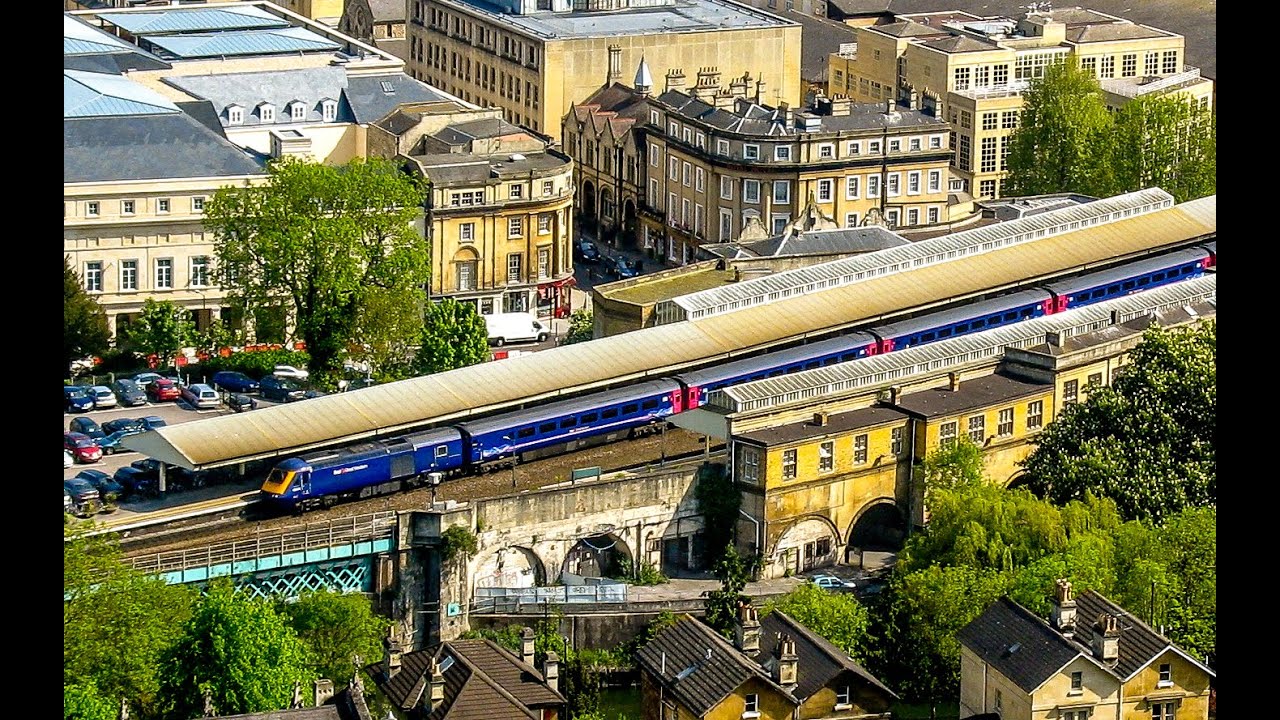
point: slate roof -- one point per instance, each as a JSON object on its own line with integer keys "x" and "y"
{"x": 1112, "y": 31}
{"x": 960, "y": 44}
{"x": 852, "y": 420}
{"x": 345, "y": 705}
{"x": 823, "y": 242}
{"x": 976, "y": 393}
{"x": 819, "y": 38}
{"x": 817, "y": 660}
{"x": 751, "y": 118}
{"x": 1139, "y": 644}
{"x": 701, "y": 667}
{"x": 370, "y": 99}
{"x": 153, "y": 147}
{"x": 278, "y": 87}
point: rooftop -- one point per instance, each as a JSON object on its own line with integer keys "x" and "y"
{"x": 748, "y": 117}
{"x": 842, "y": 422}
{"x": 682, "y": 16}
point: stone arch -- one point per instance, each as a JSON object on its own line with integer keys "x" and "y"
{"x": 512, "y": 566}
{"x": 596, "y": 555}
{"x": 809, "y": 542}
{"x": 881, "y": 524}
{"x": 1018, "y": 479}
{"x": 466, "y": 254}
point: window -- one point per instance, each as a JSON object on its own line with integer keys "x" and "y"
{"x": 788, "y": 464}
{"x": 673, "y": 168}
{"x": 895, "y": 146}
{"x": 891, "y": 218}
{"x": 200, "y": 271}
{"x": 513, "y": 267}
{"x": 935, "y": 181}
{"x": 467, "y": 275}
{"x": 91, "y": 209}
{"x": 673, "y": 129}
{"x": 873, "y": 186}
{"x": 1008, "y": 119}
{"x": 1089, "y": 65}
{"x": 687, "y": 175}
{"x": 235, "y": 115}
{"x": 826, "y": 460}
{"x": 1035, "y": 414}
{"x": 1151, "y": 63}
{"x": 947, "y": 434}
{"x": 987, "y": 188}
{"x": 516, "y": 192}
{"x": 915, "y": 144}
{"x": 860, "y": 449}
{"x": 855, "y": 148}
{"x": 162, "y": 205}
{"x": 998, "y": 702}
{"x": 515, "y": 227}
{"x": 782, "y": 191}
{"x": 654, "y": 155}
{"x": 1095, "y": 380}
{"x": 779, "y": 223}
{"x": 935, "y": 142}
{"x": 699, "y": 179}
{"x": 824, "y": 191}
{"x": 751, "y": 704}
{"x": 1108, "y": 67}
{"x": 892, "y": 184}
{"x": 873, "y": 147}
{"x": 913, "y": 216}
{"x": 126, "y": 207}
{"x": 1081, "y": 714}
{"x": 933, "y": 216}
{"x": 549, "y": 186}
{"x": 467, "y": 232}
{"x": 750, "y": 465}
{"x": 782, "y": 152}
{"x": 1169, "y": 66}
{"x": 297, "y": 111}
{"x": 653, "y": 117}
{"x": 988, "y": 157}
{"x": 1070, "y": 392}
{"x": 895, "y": 441}
{"x": 1162, "y": 711}
{"x": 544, "y": 223}
{"x": 544, "y": 263}
{"x": 93, "y": 276}
{"x": 751, "y": 191}
{"x": 826, "y": 151}
{"x": 990, "y": 120}
{"x": 751, "y": 152}
{"x": 266, "y": 113}
{"x": 128, "y": 274}
{"x": 1166, "y": 675}
{"x": 851, "y": 220}
{"x": 977, "y": 429}
{"x": 913, "y": 182}
{"x": 329, "y": 110}
{"x": 961, "y": 79}
{"x": 726, "y": 187}
{"x": 722, "y": 147}
{"x": 164, "y": 274}
{"x": 843, "y": 696}
{"x": 1129, "y": 65}
{"x": 851, "y": 188}
{"x": 197, "y": 204}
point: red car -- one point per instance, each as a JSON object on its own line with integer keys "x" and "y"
{"x": 84, "y": 448}
{"x": 163, "y": 389}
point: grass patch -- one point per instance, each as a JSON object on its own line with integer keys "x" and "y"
{"x": 921, "y": 711}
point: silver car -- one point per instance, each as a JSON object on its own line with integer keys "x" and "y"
{"x": 102, "y": 397}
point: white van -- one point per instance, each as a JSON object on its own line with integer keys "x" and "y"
{"x": 514, "y": 327}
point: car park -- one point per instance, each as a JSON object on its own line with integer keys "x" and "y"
{"x": 84, "y": 496}
{"x": 144, "y": 379}
{"x": 162, "y": 389}
{"x": 200, "y": 396}
{"x": 84, "y": 448}
{"x": 240, "y": 402}
{"x": 103, "y": 398}
{"x": 831, "y": 582}
{"x": 125, "y": 423}
{"x": 111, "y": 443}
{"x": 76, "y": 398}
{"x": 289, "y": 371}
{"x": 108, "y": 489}
{"x": 86, "y": 426}
{"x": 236, "y": 382}
{"x": 151, "y": 422}
{"x": 586, "y": 251}
{"x": 135, "y": 482}
{"x": 129, "y": 392}
{"x": 279, "y": 389}
{"x": 176, "y": 478}
{"x": 68, "y": 459}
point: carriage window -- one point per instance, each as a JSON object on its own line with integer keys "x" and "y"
{"x": 1158, "y": 276}
{"x": 976, "y": 324}
{"x": 1144, "y": 281}
{"x": 630, "y": 409}
{"x": 1113, "y": 289}
{"x": 927, "y": 337}
{"x": 568, "y": 422}
{"x": 649, "y": 404}
{"x": 589, "y": 418}
{"x": 944, "y": 332}
{"x": 811, "y": 365}
{"x": 993, "y": 320}
{"x": 1128, "y": 285}
{"x": 442, "y": 450}
{"x": 776, "y": 373}
{"x": 1186, "y": 270}
{"x": 609, "y": 414}
{"x": 962, "y": 327}
{"x": 525, "y": 432}
{"x": 831, "y": 361}
{"x": 1011, "y": 315}
{"x": 848, "y": 356}
{"x": 547, "y": 427}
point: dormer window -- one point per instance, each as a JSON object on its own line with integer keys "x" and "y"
{"x": 235, "y": 115}
{"x": 267, "y": 113}
{"x": 297, "y": 111}
{"x": 329, "y": 110}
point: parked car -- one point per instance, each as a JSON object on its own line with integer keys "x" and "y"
{"x": 68, "y": 505}
{"x": 308, "y": 394}
{"x": 510, "y": 327}
{"x": 85, "y": 499}
{"x": 84, "y": 448}
{"x": 162, "y": 389}
{"x": 144, "y": 379}
{"x": 102, "y": 397}
{"x": 200, "y": 396}
{"x": 236, "y": 382}
{"x": 241, "y": 402}
{"x": 118, "y": 424}
{"x": 76, "y": 398}
{"x": 151, "y": 422}
{"x": 86, "y": 426}
{"x": 586, "y": 251}
{"x": 289, "y": 371}
{"x": 176, "y": 478}
{"x": 108, "y": 488}
{"x": 135, "y": 482}
{"x": 620, "y": 269}
{"x": 111, "y": 443}
{"x": 129, "y": 392}
{"x": 67, "y": 458}
{"x": 279, "y": 389}
{"x": 831, "y": 582}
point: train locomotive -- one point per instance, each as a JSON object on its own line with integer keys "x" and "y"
{"x": 322, "y": 478}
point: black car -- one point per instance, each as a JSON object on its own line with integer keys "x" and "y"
{"x": 84, "y": 496}
{"x": 130, "y": 393}
{"x": 151, "y": 422}
{"x": 241, "y": 402}
{"x": 108, "y": 489}
{"x": 235, "y": 382}
{"x": 135, "y": 482}
{"x": 123, "y": 424}
{"x": 87, "y": 426}
{"x": 586, "y": 251}
{"x": 280, "y": 389}
{"x": 176, "y": 479}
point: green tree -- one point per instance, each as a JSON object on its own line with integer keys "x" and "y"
{"x": 84, "y": 324}
{"x": 116, "y": 622}
{"x": 581, "y": 327}
{"x": 319, "y": 239}
{"x": 385, "y": 334}
{"x": 82, "y": 701}
{"x": 1174, "y": 144}
{"x": 336, "y": 627}
{"x": 1147, "y": 442}
{"x": 957, "y": 465}
{"x": 1064, "y": 140}
{"x": 838, "y": 617}
{"x": 719, "y": 502}
{"x": 161, "y": 329}
{"x": 237, "y": 649}
{"x": 722, "y": 605}
{"x": 453, "y": 336}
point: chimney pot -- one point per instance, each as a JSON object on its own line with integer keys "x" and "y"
{"x": 526, "y": 645}
{"x": 551, "y": 670}
{"x": 784, "y": 669}
{"x": 323, "y": 691}
{"x": 820, "y": 419}
{"x": 746, "y": 629}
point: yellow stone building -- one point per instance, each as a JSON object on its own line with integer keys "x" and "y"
{"x": 1091, "y": 659}
{"x": 535, "y": 58}
{"x": 972, "y": 71}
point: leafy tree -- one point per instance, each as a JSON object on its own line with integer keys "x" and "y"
{"x": 336, "y": 627}
{"x": 1147, "y": 442}
{"x": 385, "y": 332}
{"x": 217, "y": 336}
{"x": 719, "y": 502}
{"x": 117, "y": 623}
{"x": 1064, "y": 140}
{"x": 237, "y": 649}
{"x": 1173, "y": 145}
{"x": 457, "y": 541}
{"x": 958, "y": 465}
{"x": 453, "y": 336}
{"x": 838, "y": 617}
{"x": 84, "y": 324}
{"x": 320, "y": 239}
{"x": 161, "y": 329}
{"x": 722, "y": 605}
{"x": 581, "y": 327}
{"x": 82, "y": 701}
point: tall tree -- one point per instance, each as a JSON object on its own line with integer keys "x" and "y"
{"x": 1148, "y": 441}
{"x": 386, "y": 331}
{"x": 1064, "y": 138}
{"x": 453, "y": 336}
{"x": 336, "y": 627}
{"x": 722, "y": 605}
{"x": 162, "y": 329}
{"x": 838, "y": 617}
{"x": 960, "y": 464}
{"x": 84, "y": 324}
{"x": 239, "y": 652}
{"x": 1170, "y": 142}
{"x": 319, "y": 238}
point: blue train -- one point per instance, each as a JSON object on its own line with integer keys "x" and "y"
{"x": 325, "y": 477}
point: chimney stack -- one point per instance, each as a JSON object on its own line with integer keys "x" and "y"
{"x": 746, "y": 631}
{"x": 820, "y": 419}
{"x": 760, "y": 91}
{"x": 1053, "y": 338}
{"x": 889, "y": 105}
{"x": 551, "y": 670}
{"x": 784, "y": 670}
{"x": 1064, "y": 609}
{"x": 953, "y": 381}
{"x": 437, "y": 684}
{"x": 1106, "y": 638}
{"x": 675, "y": 80}
{"x": 323, "y": 691}
{"x": 391, "y": 653}
{"x": 526, "y": 646}
{"x": 915, "y": 100}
